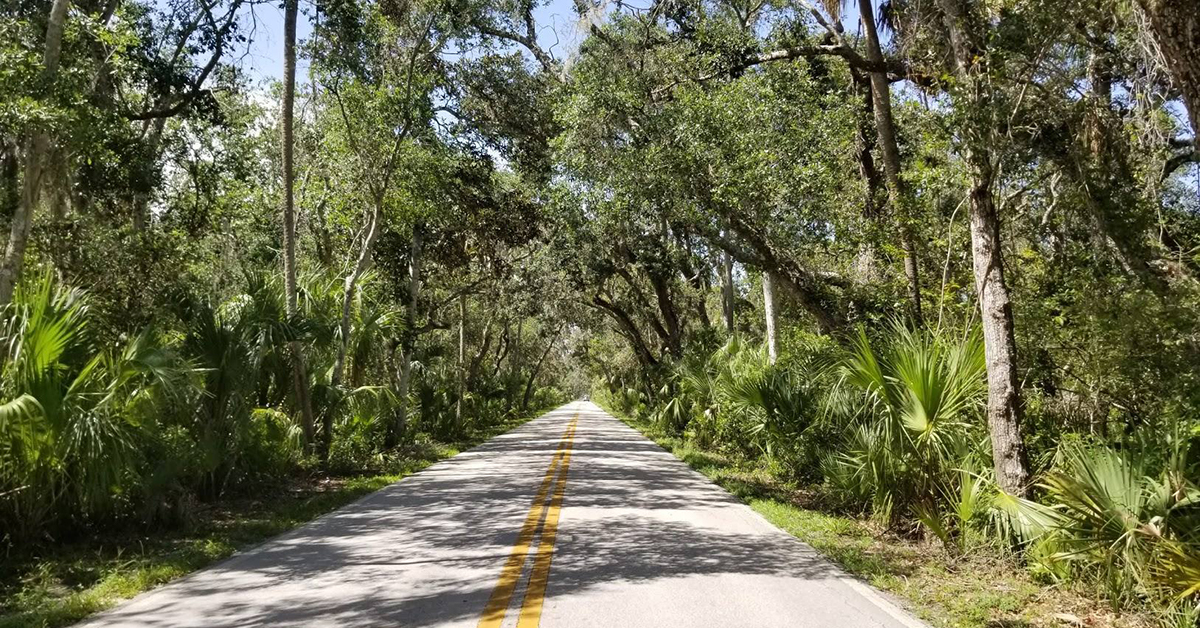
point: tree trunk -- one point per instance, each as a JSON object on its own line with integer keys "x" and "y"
{"x": 361, "y": 264}
{"x": 462, "y": 361}
{"x": 503, "y": 352}
{"x": 898, "y": 197}
{"x": 35, "y": 154}
{"x": 299, "y": 372}
{"x": 304, "y": 399}
{"x": 485, "y": 345}
{"x": 644, "y": 305}
{"x": 727, "y": 295}
{"x": 408, "y": 342}
{"x": 803, "y": 284}
{"x": 10, "y": 180}
{"x": 666, "y": 306}
{"x": 770, "y": 313}
{"x": 865, "y": 268}
{"x": 1175, "y": 25}
{"x": 629, "y": 329}
{"x": 514, "y": 354}
{"x": 537, "y": 368}
{"x": 697, "y": 281}
{"x": 1004, "y": 395}
{"x": 864, "y": 145}
{"x": 288, "y": 146}
{"x": 404, "y": 383}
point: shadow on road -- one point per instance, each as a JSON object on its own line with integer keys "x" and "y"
{"x": 427, "y": 550}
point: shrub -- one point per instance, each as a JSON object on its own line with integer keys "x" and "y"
{"x": 1137, "y": 531}
{"x": 910, "y": 413}
{"x": 73, "y": 413}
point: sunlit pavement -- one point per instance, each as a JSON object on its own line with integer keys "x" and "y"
{"x": 627, "y": 537}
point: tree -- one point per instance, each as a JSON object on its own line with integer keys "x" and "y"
{"x": 971, "y": 95}
{"x": 377, "y": 93}
{"x": 898, "y": 194}
{"x": 300, "y": 374}
{"x": 36, "y": 146}
{"x": 1174, "y": 24}
{"x": 771, "y": 316}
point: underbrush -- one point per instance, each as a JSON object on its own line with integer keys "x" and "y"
{"x": 889, "y": 426}
{"x": 989, "y": 586}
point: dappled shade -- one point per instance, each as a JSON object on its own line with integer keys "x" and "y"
{"x": 643, "y": 540}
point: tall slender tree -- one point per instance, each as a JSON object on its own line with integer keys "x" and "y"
{"x": 771, "y": 314}
{"x": 898, "y": 194}
{"x": 972, "y": 95}
{"x": 36, "y": 147}
{"x": 461, "y": 366}
{"x": 727, "y": 292}
{"x": 287, "y": 122}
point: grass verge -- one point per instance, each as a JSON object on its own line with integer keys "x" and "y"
{"x": 981, "y": 590}
{"x": 58, "y": 584}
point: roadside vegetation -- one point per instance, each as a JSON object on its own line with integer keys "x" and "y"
{"x": 987, "y": 587}
{"x": 873, "y": 451}
{"x": 127, "y": 462}
{"x": 229, "y": 306}
{"x": 61, "y": 582}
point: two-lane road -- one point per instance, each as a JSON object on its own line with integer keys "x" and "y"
{"x": 571, "y": 520}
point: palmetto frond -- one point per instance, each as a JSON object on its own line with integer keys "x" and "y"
{"x": 1103, "y": 495}
{"x": 922, "y": 383}
{"x": 73, "y": 411}
{"x": 914, "y": 400}
{"x": 1178, "y": 568}
{"x": 1015, "y": 517}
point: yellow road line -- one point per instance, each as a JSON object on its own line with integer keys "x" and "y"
{"x": 535, "y": 592}
{"x": 493, "y": 613}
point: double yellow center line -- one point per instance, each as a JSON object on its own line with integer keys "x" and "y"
{"x": 547, "y": 516}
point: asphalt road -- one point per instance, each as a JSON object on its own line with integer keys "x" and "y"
{"x": 571, "y": 520}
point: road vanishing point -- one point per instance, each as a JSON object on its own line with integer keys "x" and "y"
{"x": 571, "y": 520}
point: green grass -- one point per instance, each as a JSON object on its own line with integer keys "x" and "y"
{"x": 982, "y": 590}
{"x": 61, "y": 583}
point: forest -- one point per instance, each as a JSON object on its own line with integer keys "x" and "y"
{"x": 934, "y": 262}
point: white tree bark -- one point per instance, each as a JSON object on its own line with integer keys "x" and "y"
{"x": 727, "y": 294}
{"x": 361, "y": 264}
{"x": 406, "y": 346}
{"x": 771, "y": 315}
{"x": 35, "y": 154}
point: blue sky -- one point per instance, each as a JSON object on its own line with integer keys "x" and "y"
{"x": 264, "y": 58}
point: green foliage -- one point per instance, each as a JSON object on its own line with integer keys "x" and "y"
{"x": 912, "y": 407}
{"x": 92, "y": 435}
{"x": 72, "y": 418}
{"x": 735, "y": 400}
{"x": 894, "y": 425}
{"x": 1136, "y": 530}
{"x": 588, "y": 208}
{"x": 62, "y": 584}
